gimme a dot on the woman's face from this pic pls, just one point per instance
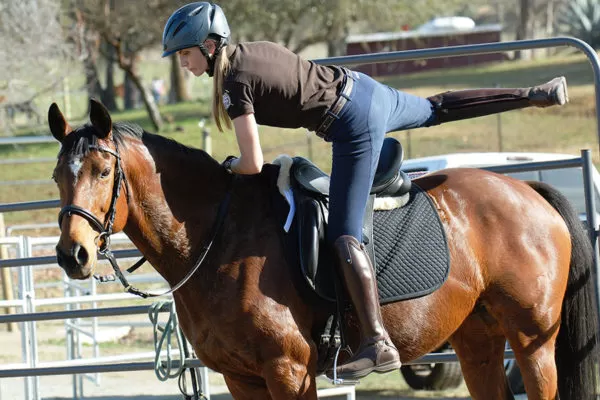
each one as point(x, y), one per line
point(192, 59)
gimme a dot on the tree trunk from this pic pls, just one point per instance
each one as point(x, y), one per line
point(151, 107)
point(523, 29)
point(178, 91)
point(108, 94)
point(336, 45)
point(92, 82)
point(131, 93)
point(550, 24)
point(91, 78)
point(132, 80)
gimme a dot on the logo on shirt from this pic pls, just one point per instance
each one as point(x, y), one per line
point(226, 100)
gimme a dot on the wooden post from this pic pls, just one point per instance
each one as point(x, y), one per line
point(7, 287)
point(206, 139)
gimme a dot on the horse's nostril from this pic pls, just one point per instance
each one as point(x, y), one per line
point(60, 256)
point(80, 254)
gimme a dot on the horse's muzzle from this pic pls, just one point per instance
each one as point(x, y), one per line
point(74, 261)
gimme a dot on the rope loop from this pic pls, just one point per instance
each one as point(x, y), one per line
point(163, 341)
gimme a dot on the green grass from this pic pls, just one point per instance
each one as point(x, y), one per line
point(566, 129)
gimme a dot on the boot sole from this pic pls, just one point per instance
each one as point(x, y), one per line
point(380, 369)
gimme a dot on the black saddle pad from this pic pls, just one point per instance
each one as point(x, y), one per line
point(411, 249)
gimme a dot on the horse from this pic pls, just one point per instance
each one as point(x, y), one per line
point(520, 266)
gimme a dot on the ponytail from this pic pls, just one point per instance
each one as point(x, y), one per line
point(218, 108)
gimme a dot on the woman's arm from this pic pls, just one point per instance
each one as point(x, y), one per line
point(251, 156)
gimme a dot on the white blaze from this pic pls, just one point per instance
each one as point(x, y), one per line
point(75, 165)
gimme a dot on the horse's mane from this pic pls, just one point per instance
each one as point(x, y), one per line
point(78, 142)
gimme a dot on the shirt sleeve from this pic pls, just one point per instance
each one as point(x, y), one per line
point(238, 99)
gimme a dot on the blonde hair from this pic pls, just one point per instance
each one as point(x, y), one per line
point(218, 108)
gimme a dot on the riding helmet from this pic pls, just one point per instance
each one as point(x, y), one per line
point(192, 24)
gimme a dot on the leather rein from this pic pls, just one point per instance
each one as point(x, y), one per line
point(106, 230)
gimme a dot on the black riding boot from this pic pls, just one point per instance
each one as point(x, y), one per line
point(376, 351)
point(470, 103)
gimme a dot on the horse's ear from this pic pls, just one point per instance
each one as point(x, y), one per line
point(59, 126)
point(100, 119)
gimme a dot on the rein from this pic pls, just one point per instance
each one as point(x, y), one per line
point(106, 229)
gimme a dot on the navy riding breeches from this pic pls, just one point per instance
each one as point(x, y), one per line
point(357, 136)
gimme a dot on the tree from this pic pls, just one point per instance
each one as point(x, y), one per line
point(179, 88)
point(299, 24)
point(130, 27)
point(524, 26)
point(90, 49)
point(34, 51)
point(581, 19)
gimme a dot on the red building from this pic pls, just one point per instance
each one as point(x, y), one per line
point(410, 40)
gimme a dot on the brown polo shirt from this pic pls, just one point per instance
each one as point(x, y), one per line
point(278, 86)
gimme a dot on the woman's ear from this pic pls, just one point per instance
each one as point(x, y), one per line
point(210, 46)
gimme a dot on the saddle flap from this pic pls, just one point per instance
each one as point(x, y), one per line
point(310, 235)
point(309, 177)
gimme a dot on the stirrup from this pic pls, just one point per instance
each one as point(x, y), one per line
point(339, 381)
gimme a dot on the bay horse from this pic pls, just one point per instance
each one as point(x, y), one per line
point(520, 266)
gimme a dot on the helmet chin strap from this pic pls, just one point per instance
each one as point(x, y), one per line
point(210, 58)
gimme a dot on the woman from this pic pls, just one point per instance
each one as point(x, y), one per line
point(262, 82)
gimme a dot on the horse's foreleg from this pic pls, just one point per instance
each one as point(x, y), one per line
point(288, 379)
point(282, 380)
point(480, 348)
point(247, 389)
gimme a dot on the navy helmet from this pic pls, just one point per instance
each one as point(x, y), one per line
point(192, 24)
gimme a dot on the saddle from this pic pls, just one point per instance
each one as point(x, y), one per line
point(310, 186)
point(410, 240)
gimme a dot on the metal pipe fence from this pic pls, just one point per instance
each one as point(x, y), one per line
point(40, 369)
point(584, 162)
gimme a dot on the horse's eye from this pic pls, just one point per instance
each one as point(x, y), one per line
point(105, 173)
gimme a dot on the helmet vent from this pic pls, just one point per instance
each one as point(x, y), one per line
point(181, 25)
point(169, 26)
point(196, 11)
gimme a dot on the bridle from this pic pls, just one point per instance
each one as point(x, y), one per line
point(106, 229)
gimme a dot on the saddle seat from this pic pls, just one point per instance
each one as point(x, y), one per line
point(389, 181)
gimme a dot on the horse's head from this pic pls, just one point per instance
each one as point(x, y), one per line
point(90, 180)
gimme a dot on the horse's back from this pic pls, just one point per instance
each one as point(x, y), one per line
point(488, 200)
point(510, 240)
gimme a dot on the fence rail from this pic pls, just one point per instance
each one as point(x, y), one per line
point(17, 140)
point(585, 161)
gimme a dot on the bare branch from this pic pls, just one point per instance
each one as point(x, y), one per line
point(33, 46)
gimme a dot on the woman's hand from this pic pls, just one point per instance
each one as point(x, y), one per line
point(251, 156)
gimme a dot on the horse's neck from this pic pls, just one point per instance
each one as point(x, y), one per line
point(171, 205)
